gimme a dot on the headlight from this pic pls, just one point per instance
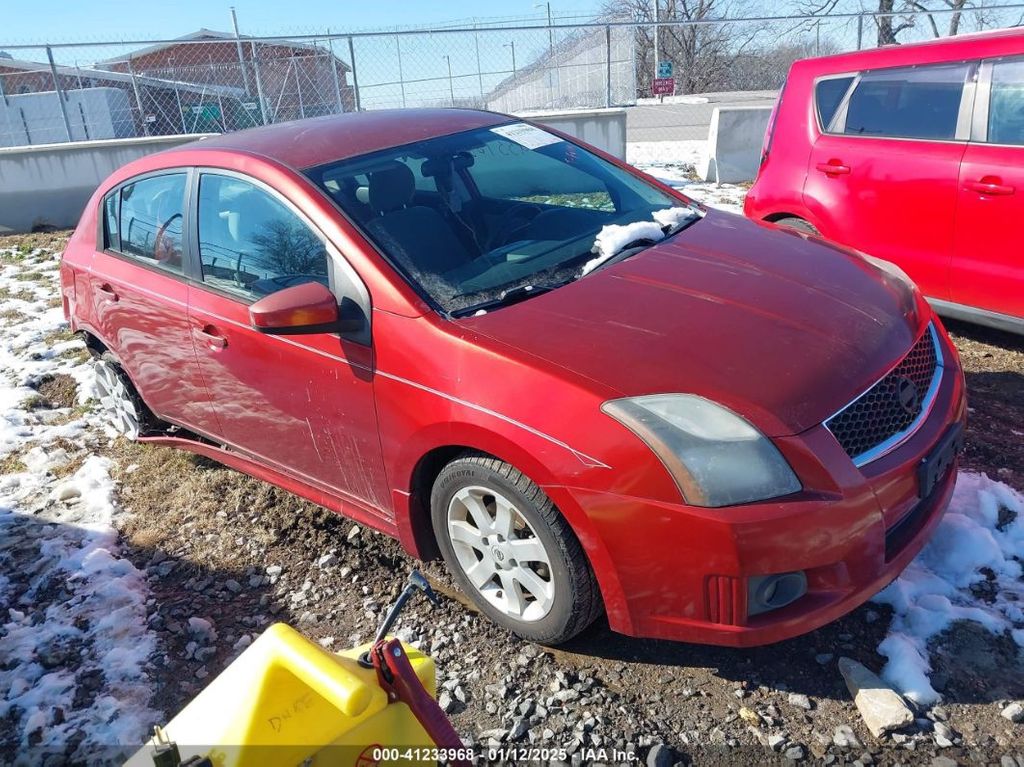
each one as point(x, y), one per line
point(715, 457)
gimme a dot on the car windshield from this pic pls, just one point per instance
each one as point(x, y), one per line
point(493, 215)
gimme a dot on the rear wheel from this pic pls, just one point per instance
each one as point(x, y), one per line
point(799, 224)
point(121, 404)
point(511, 552)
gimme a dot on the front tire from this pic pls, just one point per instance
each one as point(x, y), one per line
point(799, 224)
point(511, 551)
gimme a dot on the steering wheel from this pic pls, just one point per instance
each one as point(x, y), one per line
point(519, 218)
point(166, 252)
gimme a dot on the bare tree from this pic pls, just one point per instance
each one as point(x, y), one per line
point(698, 38)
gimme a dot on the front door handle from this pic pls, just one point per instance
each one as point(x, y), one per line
point(108, 292)
point(212, 337)
point(833, 168)
point(989, 185)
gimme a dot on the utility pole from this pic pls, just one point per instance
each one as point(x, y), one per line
point(657, 54)
point(241, 56)
point(551, 44)
point(512, 44)
point(451, 87)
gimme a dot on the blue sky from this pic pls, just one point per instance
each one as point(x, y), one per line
point(38, 21)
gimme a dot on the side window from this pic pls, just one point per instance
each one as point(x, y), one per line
point(250, 243)
point(827, 96)
point(150, 223)
point(1006, 103)
point(111, 237)
point(923, 102)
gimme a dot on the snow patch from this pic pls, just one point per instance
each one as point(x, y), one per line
point(614, 238)
point(74, 644)
point(935, 589)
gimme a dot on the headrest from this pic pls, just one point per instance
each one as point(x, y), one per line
point(391, 187)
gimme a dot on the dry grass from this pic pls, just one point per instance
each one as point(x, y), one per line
point(12, 464)
point(23, 295)
point(55, 392)
point(182, 500)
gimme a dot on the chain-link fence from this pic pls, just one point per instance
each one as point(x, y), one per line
point(216, 81)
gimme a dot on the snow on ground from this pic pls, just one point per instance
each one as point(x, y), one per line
point(676, 162)
point(980, 538)
point(74, 644)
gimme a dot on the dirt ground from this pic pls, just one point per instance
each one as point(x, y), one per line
point(219, 545)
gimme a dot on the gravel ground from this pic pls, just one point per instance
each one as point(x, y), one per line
point(217, 545)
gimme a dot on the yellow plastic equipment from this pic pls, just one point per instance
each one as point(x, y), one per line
point(285, 700)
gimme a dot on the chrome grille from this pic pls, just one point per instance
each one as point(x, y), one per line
point(893, 408)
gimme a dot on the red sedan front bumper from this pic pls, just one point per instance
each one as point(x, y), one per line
point(680, 572)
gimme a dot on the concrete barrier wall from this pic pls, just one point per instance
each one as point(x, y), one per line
point(604, 128)
point(49, 185)
point(734, 144)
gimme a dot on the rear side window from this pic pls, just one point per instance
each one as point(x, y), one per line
point(828, 94)
point(251, 244)
point(923, 103)
point(149, 227)
point(1006, 103)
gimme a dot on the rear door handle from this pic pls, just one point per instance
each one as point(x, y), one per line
point(108, 292)
point(212, 337)
point(833, 169)
point(989, 186)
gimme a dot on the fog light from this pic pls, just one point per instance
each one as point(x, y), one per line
point(770, 592)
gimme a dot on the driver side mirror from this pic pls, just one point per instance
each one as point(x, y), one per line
point(300, 309)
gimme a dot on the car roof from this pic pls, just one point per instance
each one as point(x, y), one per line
point(991, 43)
point(315, 141)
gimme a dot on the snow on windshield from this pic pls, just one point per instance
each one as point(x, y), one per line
point(614, 238)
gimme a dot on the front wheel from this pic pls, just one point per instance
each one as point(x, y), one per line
point(799, 224)
point(511, 551)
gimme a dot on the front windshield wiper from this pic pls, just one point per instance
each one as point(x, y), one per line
point(505, 298)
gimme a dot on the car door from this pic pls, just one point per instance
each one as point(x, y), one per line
point(882, 175)
point(139, 296)
point(299, 403)
point(988, 258)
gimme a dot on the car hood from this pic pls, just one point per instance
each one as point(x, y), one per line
point(782, 328)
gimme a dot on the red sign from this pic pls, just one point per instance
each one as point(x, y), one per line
point(663, 86)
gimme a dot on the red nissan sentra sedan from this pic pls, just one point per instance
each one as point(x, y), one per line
point(583, 390)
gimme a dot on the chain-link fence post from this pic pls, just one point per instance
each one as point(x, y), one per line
point(57, 91)
point(138, 96)
point(355, 78)
point(608, 66)
point(259, 82)
point(401, 74)
point(334, 74)
point(241, 56)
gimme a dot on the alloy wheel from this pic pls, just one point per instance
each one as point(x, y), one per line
point(116, 401)
point(500, 553)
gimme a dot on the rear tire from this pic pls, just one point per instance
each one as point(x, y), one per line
point(799, 224)
point(511, 551)
point(124, 409)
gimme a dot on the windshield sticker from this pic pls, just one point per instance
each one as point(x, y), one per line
point(526, 135)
